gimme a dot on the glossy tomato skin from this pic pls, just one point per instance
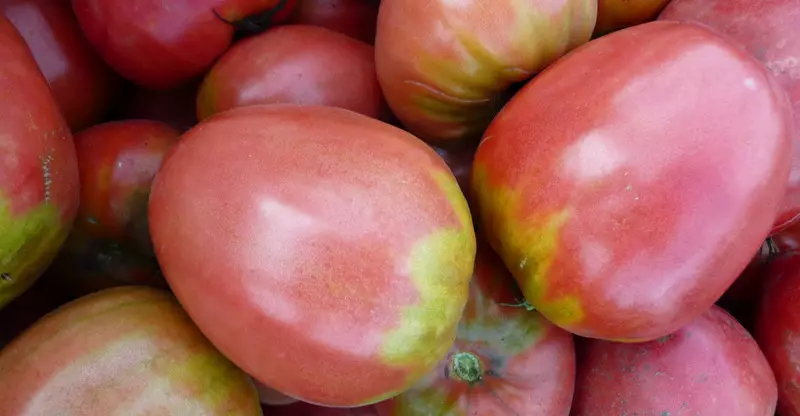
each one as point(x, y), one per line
point(162, 45)
point(129, 350)
point(354, 18)
point(626, 209)
point(712, 366)
point(81, 82)
point(778, 328)
point(769, 31)
point(618, 14)
point(38, 169)
point(295, 64)
point(343, 237)
point(506, 360)
point(444, 65)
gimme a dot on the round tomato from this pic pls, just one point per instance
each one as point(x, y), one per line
point(506, 360)
point(354, 18)
point(297, 64)
point(445, 65)
point(344, 239)
point(626, 199)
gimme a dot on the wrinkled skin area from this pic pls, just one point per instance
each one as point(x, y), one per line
point(161, 45)
point(625, 200)
point(343, 237)
point(527, 363)
point(294, 64)
point(778, 329)
point(444, 65)
point(769, 30)
point(354, 18)
point(38, 169)
point(710, 367)
point(81, 82)
point(124, 351)
point(618, 14)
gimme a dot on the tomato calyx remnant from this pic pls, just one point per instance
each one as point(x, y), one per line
point(256, 23)
point(466, 366)
point(521, 303)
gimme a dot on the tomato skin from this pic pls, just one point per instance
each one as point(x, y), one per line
point(778, 327)
point(295, 64)
point(444, 65)
point(312, 216)
point(159, 45)
point(38, 169)
point(769, 31)
point(81, 82)
point(712, 366)
point(596, 201)
point(354, 18)
point(618, 14)
point(527, 364)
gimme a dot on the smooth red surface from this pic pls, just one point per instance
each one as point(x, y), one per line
point(296, 223)
point(527, 363)
point(81, 82)
point(159, 44)
point(445, 65)
point(618, 14)
point(778, 329)
point(294, 64)
point(769, 30)
point(627, 198)
point(711, 367)
point(354, 18)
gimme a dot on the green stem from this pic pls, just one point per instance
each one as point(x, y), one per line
point(467, 367)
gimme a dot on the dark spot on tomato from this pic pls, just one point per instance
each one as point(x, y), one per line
point(5, 276)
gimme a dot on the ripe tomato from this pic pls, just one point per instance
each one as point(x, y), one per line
point(342, 237)
point(506, 360)
point(354, 18)
point(618, 14)
point(622, 211)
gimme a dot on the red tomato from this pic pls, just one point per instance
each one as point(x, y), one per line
point(618, 14)
point(444, 65)
point(460, 163)
point(778, 329)
point(343, 237)
point(272, 397)
point(711, 367)
point(354, 18)
point(162, 45)
point(626, 199)
point(506, 360)
point(38, 169)
point(296, 64)
point(175, 107)
point(81, 82)
point(788, 240)
point(770, 31)
point(306, 409)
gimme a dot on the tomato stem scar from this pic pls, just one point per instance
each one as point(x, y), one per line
point(467, 367)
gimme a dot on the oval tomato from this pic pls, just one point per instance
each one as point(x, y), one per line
point(122, 351)
point(295, 64)
point(444, 65)
point(618, 14)
point(159, 46)
point(778, 329)
point(343, 237)
point(506, 360)
point(354, 18)
point(623, 212)
point(770, 31)
point(38, 169)
point(81, 82)
point(712, 366)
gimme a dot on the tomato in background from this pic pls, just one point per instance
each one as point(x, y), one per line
point(354, 18)
point(81, 82)
point(618, 14)
point(307, 409)
point(175, 107)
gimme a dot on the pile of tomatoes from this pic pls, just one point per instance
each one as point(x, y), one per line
point(400, 207)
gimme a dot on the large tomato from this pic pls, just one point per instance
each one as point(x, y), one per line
point(38, 169)
point(159, 44)
point(618, 14)
point(712, 366)
point(506, 360)
point(444, 65)
point(81, 82)
point(123, 351)
point(326, 253)
point(770, 30)
point(354, 18)
point(627, 197)
point(297, 64)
